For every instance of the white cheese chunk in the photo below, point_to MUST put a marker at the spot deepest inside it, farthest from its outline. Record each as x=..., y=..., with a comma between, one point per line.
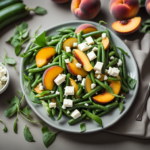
x=57, y=93
x=83, y=47
x=119, y=62
x=52, y=105
x=97, y=72
x=60, y=79
x=91, y=55
x=113, y=71
x=86, y=104
x=68, y=112
x=63, y=107
x=83, y=82
x=78, y=65
x=68, y=49
x=75, y=44
x=76, y=114
x=89, y=40
x=99, y=76
x=98, y=66
x=67, y=61
x=79, y=77
x=112, y=57
x=68, y=103
x=94, y=49
x=69, y=90
x=93, y=85
x=105, y=77
x=103, y=35
x=52, y=92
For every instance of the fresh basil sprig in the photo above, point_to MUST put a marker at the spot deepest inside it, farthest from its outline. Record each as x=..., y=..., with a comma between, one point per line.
x=131, y=82
x=5, y=128
x=145, y=26
x=82, y=127
x=121, y=106
x=27, y=135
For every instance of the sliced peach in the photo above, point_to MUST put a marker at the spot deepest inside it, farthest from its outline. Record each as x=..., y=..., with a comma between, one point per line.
x=74, y=70
x=44, y=55
x=88, y=83
x=49, y=75
x=105, y=43
x=106, y=97
x=69, y=42
x=83, y=59
x=37, y=90
x=73, y=83
x=53, y=100
x=127, y=26
x=102, y=77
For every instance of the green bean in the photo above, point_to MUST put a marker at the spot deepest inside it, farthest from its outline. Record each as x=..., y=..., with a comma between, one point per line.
x=56, y=37
x=89, y=76
x=115, y=50
x=83, y=103
x=120, y=73
x=122, y=51
x=30, y=74
x=79, y=37
x=78, y=100
x=124, y=82
x=123, y=66
x=124, y=89
x=60, y=61
x=112, y=105
x=26, y=61
x=105, y=82
x=79, y=92
x=114, y=79
x=75, y=35
x=56, y=59
x=60, y=88
x=65, y=31
x=68, y=54
x=69, y=28
x=48, y=97
x=112, y=63
x=92, y=92
x=60, y=114
x=64, y=66
x=32, y=66
x=112, y=53
x=34, y=48
x=40, y=80
x=34, y=54
x=106, y=58
x=57, y=47
x=73, y=121
x=37, y=76
x=48, y=38
x=53, y=112
x=99, y=39
x=67, y=79
x=103, y=58
x=92, y=33
x=27, y=54
x=42, y=68
x=71, y=59
x=90, y=99
x=99, y=53
x=108, y=35
x=53, y=42
x=92, y=76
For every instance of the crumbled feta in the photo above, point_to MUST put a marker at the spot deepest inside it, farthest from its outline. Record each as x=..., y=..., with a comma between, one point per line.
x=112, y=57
x=99, y=76
x=75, y=80
x=86, y=104
x=41, y=87
x=83, y=47
x=119, y=62
x=89, y=40
x=69, y=90
x=83, y=82
x=113, y=71
x=76, y=114
x=97, y=72
x=103, y=35
x=105, y=77
x=52, y=92
x=91, y=55
x=94, y=49
x=90, y=46
x=79, y=77
x=98, y=66
x=68, y=112
x=75, y=44
x=57, y=93
x=52, y=105
x=67, y=61
x=93, y=85
x=68, y=49
x=63, y=107
x=68, y=103
x=60, y=79
x=3, y=77
x=78, y=65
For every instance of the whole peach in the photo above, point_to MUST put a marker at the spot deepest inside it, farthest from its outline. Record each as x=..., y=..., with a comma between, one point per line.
x=124, y=9
x=85, y=9
x=60, y=1
x=147, y=6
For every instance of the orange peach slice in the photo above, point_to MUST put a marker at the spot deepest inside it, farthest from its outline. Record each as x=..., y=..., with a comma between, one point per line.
x=74, y=70
x=53, y=100
x=127, y=26
x=106, y=97
x=44, y=55
x=83, y=59
x=49, y=75
x=73, y=83
x=37, y=90
x=88, y=83
x=69, y=42
x=102, y=77
x=105, y=43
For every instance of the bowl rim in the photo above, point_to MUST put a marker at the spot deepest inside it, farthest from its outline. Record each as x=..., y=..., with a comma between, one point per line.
x=91, y=130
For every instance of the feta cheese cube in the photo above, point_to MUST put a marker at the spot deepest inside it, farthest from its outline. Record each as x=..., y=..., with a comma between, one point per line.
x=60, y=79
x=83, y=82
x=93, y=85
x=91, y=55
x=119, y=62
x=68, y=112
x=98, y=66
x=83, y=47
x=79, y=77
x=63, y=107
x=103, y=35
x=57, y=93
x=94, y=49
x=78, y=65
x=86, y=104
x=67, y=61
x=68, y=49
x=69, y=90
x=113, y=71
x=97, y=72
x=90, y=46
x=52, y=105
x=75, y=44
x=99, y=76
x=105, y=77
x=68, y=103
x=112, y=57
x=76, y=114
x=52, y=92
x=89, y=40
x=41, y=88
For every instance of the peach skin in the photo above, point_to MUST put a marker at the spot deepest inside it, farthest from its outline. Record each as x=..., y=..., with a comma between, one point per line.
x=124, y=9
x=60, y=1
x=127, y=26
x=85, y=9
x=147, y=6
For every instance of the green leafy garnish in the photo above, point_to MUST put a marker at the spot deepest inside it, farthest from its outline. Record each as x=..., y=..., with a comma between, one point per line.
x=33, y=98
x=27, y=134
x=26, y=111
x=41, y=40
x=145, y=26
x=5, y=128
x=142, y=3
x=40, y=11
x=15, y=125
x=94, y=117
x=121, y=106
x=131, y=82
x=82, y=127
x=101, y=22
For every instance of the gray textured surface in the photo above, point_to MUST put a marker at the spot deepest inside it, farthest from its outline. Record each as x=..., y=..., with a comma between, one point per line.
x=100, y=140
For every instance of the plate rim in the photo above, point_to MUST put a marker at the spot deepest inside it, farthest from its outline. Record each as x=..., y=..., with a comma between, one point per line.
x=91, y=130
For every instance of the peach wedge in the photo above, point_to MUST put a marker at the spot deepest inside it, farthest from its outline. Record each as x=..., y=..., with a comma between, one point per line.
x=105, y=43
x=73, y=83
x=44, y=55
x=88, y=83
x=69, y=42
x=37, y=90
x=49, y=75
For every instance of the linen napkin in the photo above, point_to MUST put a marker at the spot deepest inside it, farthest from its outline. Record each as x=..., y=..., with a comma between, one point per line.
x=128, y=125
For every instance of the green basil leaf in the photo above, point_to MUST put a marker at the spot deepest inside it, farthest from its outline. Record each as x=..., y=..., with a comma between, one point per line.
x=94, y=117
x=10, y=39
x=40, y=11
x=42, y=94
x=23, y=26
x=15, y=41
x=5, y=128
x=82, y=127
x=15, y=125
x=16, y=32
x=20, y=93
x=147, y=21
x=45, y=129
x=41, y=40
x=131, y=82
x=34, y=99
x=25, y=34
x=143, y=30
x=121, y=106
x=26, y=111
x=10, y=60
x=17, y=49
x=27, y=134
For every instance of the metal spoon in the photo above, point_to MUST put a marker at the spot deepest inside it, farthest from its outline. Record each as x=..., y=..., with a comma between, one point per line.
x=140, y=114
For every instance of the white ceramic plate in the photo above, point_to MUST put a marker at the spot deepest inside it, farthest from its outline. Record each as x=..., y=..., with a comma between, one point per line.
x=109, y=119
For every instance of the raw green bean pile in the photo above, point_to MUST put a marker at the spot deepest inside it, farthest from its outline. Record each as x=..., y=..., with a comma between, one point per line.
x=85, y=102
